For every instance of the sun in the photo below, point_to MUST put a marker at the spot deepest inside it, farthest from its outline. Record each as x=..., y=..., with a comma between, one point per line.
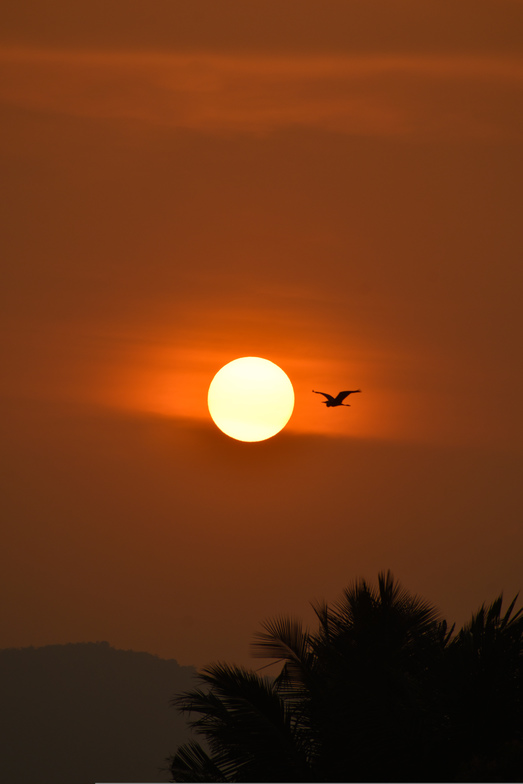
x=251, y=399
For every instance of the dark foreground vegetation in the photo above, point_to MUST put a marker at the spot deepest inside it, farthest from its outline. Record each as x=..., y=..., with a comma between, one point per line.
x=381, y=691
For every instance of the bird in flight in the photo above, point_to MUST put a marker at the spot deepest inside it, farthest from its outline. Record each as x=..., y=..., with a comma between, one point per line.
x=338, y=400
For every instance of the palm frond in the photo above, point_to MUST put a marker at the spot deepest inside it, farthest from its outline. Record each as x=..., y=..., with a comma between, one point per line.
x=517, y=617
x=192, y=764
x=488, y=620
x=283, y=639
x=245, y=722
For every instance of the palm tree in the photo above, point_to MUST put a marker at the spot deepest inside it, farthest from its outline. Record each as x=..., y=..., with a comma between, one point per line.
x=482, y=689
x=376, y=693
x=361, y=677
x=337, y=689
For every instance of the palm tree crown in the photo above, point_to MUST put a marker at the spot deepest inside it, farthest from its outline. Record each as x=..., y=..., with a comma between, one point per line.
x=381, y=691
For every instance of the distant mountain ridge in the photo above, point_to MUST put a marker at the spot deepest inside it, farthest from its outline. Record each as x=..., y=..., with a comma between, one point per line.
x=87, y=712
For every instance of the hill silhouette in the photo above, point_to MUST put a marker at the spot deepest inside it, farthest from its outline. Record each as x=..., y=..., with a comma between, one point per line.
x=86, y=712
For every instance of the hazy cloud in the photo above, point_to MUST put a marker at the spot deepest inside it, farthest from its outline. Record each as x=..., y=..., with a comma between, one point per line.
x=253, y=94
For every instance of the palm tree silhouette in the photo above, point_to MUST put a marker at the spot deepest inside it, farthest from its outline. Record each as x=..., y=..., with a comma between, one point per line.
x=482, y=690
x=360, y=677
x=380, y=691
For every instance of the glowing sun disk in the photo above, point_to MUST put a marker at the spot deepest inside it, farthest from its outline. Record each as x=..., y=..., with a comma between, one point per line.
x=251, y=399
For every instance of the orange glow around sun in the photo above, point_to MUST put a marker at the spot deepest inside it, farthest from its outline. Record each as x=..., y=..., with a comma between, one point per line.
x=251, y=399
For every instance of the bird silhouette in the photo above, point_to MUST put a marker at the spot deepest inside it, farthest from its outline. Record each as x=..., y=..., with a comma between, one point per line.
x=331, y=401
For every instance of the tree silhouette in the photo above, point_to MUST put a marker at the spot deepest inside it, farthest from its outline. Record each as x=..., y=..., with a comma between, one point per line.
x=482, y=690
x=381, y=691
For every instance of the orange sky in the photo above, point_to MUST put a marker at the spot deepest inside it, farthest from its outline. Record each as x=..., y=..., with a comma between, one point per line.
x=334, y=186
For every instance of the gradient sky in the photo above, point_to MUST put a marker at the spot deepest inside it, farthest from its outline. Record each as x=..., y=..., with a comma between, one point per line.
x=334, y=186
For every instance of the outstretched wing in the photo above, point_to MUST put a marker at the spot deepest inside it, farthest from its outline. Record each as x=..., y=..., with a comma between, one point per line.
x=329, y=397
x=342, y=395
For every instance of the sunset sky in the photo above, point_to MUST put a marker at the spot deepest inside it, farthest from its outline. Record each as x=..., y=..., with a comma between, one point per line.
x=333, y=185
